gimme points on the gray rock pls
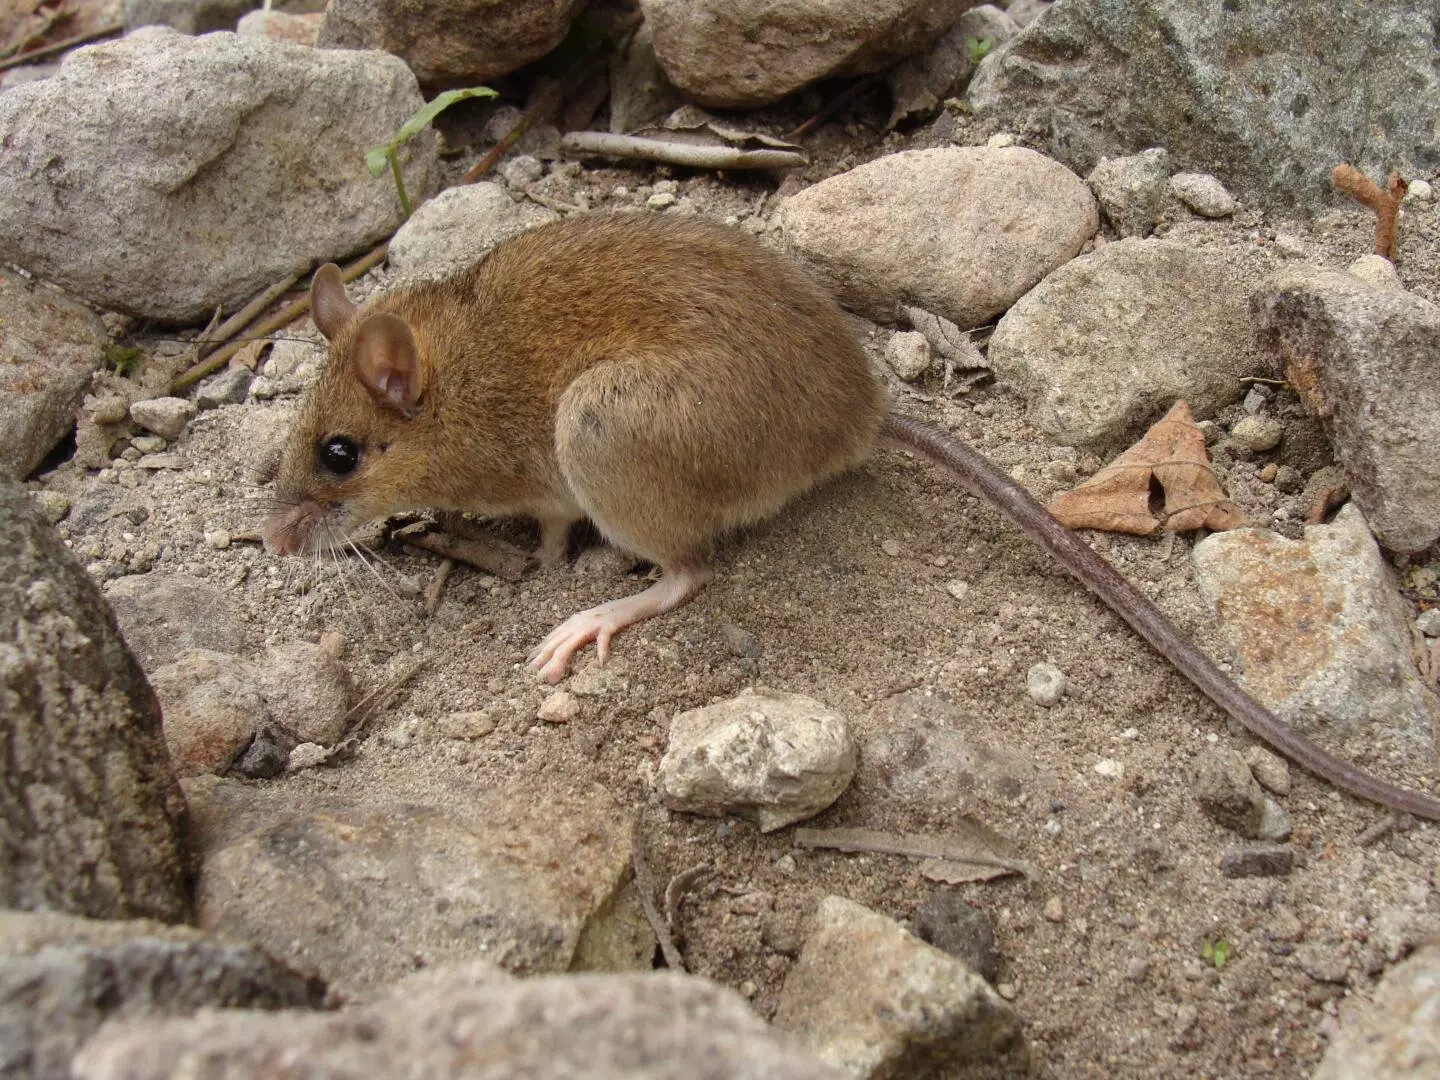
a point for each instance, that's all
(1045, 684)
(660, 1026)
(1106, 344)
(1258, 860)
(458, 226)
(1257, 433)
(1376, 270)
(1428, 623)
(962, 232)
(1105, 78)
(1227, 791)
(1203, 194)
(186, 16)
(1393, 1037)
(963, 930)
(480, 39)
(49, 348)
(1131, 189)
(164, 615)
(366, 886)
(921, 83)
(1272, 770)
(1323, 961)
(640, 93)
(1274, 821)
(55, 506)
(269, 139)
(91, 819)
(1319, 629)
(1363, 361)
(876, 1001)
(294, 28)
(777, 758)
(1025, 12)
(307, 689)
(230, 387)
(908, 354)
(165, 416)
(61, 977)
(743, 53)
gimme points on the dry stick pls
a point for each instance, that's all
(237, 322)
(436, 589)
(645, 886)
(681, 885)
(59, 46)
(838, 103)
(281, 319)
(491, 555)
(1384, 202)
(688, 155)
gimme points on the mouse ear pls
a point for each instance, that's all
(387, 362)
(329, 306)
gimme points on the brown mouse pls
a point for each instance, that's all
(667, 379)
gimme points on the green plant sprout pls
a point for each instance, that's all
(979, 49)
(381, 157)
(123, 360)
(1215, 952)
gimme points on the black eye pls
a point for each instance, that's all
(339, 454)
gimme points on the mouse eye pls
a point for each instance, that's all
(339, 454)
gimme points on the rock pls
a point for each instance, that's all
(1428, 623)
(741, 642)
(1319, 630)
(1025, 12)
(640, 93)
(1045, 683)
(744, 53)
(49, 348)
(1103, 78)
(458, 226)
(1107, 343)
(294, 29)
(963, 930)
(165, 416)
(1131, 189)
(1258, 860)
(186, 16)
(908, 355)
(164, 615)
(230, 387)
(1274, 821)
(1257, 433)
(1362, 360)
(777, 758)
(1203, 194)
(1323, 962)
(308, 691)
(268, 138)
(962, 232)
(1420, 191)
(62, 976)
(1393, 1037)
(1376, 270)
(366, 886)
(1227, 792)
(91, 819)
(559, 707)
(54, 506)
(212, 709)
(875, 1001)
(651, 1026)
(919, 84)
(1270, 769)
(468, 724)
(471, 41)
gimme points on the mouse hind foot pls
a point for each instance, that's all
(677, 584)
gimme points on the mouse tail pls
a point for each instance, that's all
(990, 484)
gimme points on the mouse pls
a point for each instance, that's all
(667, 379)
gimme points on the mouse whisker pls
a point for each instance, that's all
(374, 557)
(332, 548)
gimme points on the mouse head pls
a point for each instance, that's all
(356, 452)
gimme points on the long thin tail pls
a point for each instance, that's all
(1147, 620)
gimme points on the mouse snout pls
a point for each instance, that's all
(287, 531)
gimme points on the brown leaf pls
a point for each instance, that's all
(1172, 453)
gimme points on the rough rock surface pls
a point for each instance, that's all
(960, 232)
(1395, 1037)
(49, 348)
(61, 977)
(245, 153)
(363, 888)
(921, 83)
(1131, 189)
(186, 16)
(451, 42)
(1322, 636)
(472, 1020)
(779, 758)
(1107, 343)
(1362, 358)
(1269, 97)
(742, 53)
(164, 615)
(91, 819)
(869, 997)
(457, 227)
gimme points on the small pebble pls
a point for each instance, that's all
(1267, 474)
(1258, 433)
(1274, 821)
(1002, 139)
(1054, 910)
(1428, 623)
(1270, 769)
(263, 389)
(741, 642)
(467, 724)
(1376, 270)
(1420, 192)
(1255, 400)
(1110, 768)
(1292, 247)
(522, 171)
(891, 548)
(909, 355)
(660, 200)
(1203, 194)
(306, 756)
(1322, 962)
(165, 416)
(559, 708)
(53, 505)
(219, 539)
(149, 444)
(1045, 683)
(1289, 480)
(333, 642)
(957, 588)
(1258, 860)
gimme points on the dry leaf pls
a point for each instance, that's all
(1172, 454)
(972, 851)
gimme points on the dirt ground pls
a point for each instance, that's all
(1118, 986)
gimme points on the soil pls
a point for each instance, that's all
(1120, 985)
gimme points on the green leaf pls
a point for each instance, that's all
(378, 159)
(979, 48)
(423, 119)
(1216, 952)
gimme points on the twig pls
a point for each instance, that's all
(836, 104)
(680, 886)
(237, 322)
(281, 319)
(645, 886)
(370, 705)
(436, 589)
(669, 152)
(1385, 202)
(1378, 830)
(922, 847)
(490, 555)
(60, 46)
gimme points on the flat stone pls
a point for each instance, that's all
(1258, 860)
(164, 615)
(1394, 1036)
(165, 416)
(1203, 194)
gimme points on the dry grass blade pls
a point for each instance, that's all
(645, 886)
(970, 843)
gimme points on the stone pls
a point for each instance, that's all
(773, 757)
(145, 143)
(650, 1026)
(1227, 792)
(1394, 1036)
(1257, 433)
(1203, 194)
(1258, 860)
(186, 16)
(1025, 12)
(744, 53)
(457, 227)
(559, 707)
(91, 819)
(908, 355)
(1131, 189)
(307, 690)
(1270, 769)
(962, 232)
(165, 416)
(1106, 344)
(873, 1000)
(1045, 684)
(230, 387)
(640, 93)
(366, 886)
(1376, 270)
(164, 615)
(1319, 630)
(212, 709)
(62, 976)
(919, 84)
(963, 930)
(1105, 78)
(50, 346)
(1362, 359)
(294, 29)
(481, 39)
